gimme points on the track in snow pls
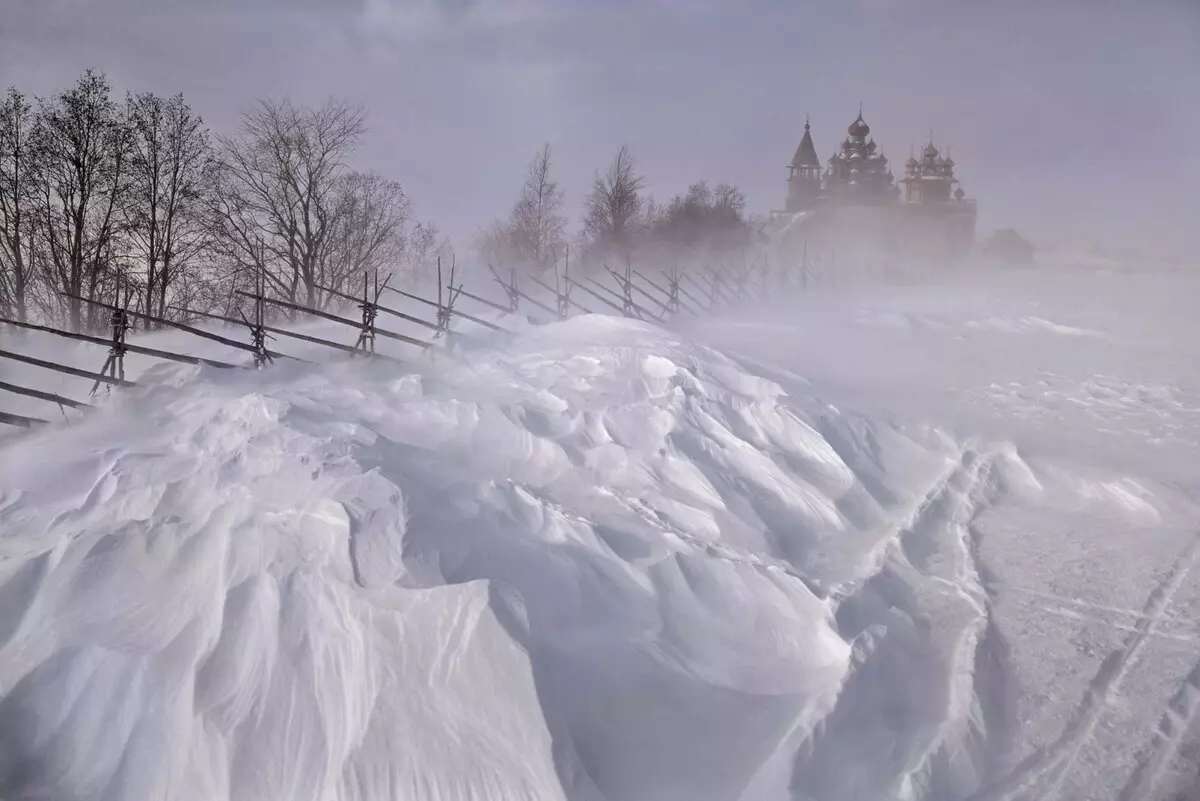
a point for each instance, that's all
(1177, 720)
(1184, 630)
(1041, 774)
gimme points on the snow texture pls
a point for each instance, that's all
(930, 542)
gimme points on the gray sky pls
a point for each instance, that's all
(1069, 119)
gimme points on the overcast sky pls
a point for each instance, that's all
(1069, 119)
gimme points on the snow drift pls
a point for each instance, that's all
(596, 562)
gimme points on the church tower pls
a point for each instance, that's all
(804, 176)
(858, 174)
(931, 179)
(941, 219)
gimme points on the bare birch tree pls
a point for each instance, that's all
(368, 222)
(420, 249)
(536, 221)
(612, 210)
(495, 245)
(170, 165)
(278, 191)
(18, 204)
(83, 147)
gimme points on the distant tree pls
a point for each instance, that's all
(496, 246)
(444, 251)
(19, 170)
(612, 211)
(536, 221)
(82, 141)
(421, 250)
(703, 218)
(170, 169)
(279, 189)
(652, 212)
(368, 222)
(533, 234)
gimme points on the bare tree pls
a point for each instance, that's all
(18, 204)
(170, 167)
(83, 145)
(420, 250)
(280, 189)
(496, 246)
(613, 209)
(368, 225)
(536, 221)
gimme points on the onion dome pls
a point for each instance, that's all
(859, 127)
(931, 152)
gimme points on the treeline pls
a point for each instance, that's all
(98, 192)
(620, 222)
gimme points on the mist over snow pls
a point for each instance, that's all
(898, 532)
(933, 542)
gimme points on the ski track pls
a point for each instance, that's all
(1178, 719)
(1070, 614)
(1041, 774)
(1089, 606)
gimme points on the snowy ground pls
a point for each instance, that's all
(935, 541)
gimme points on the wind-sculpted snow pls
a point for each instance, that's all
(594, 562)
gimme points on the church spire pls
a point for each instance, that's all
(806, 153)
(804, 174)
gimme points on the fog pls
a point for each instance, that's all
(829, 527)
(1069, 120)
